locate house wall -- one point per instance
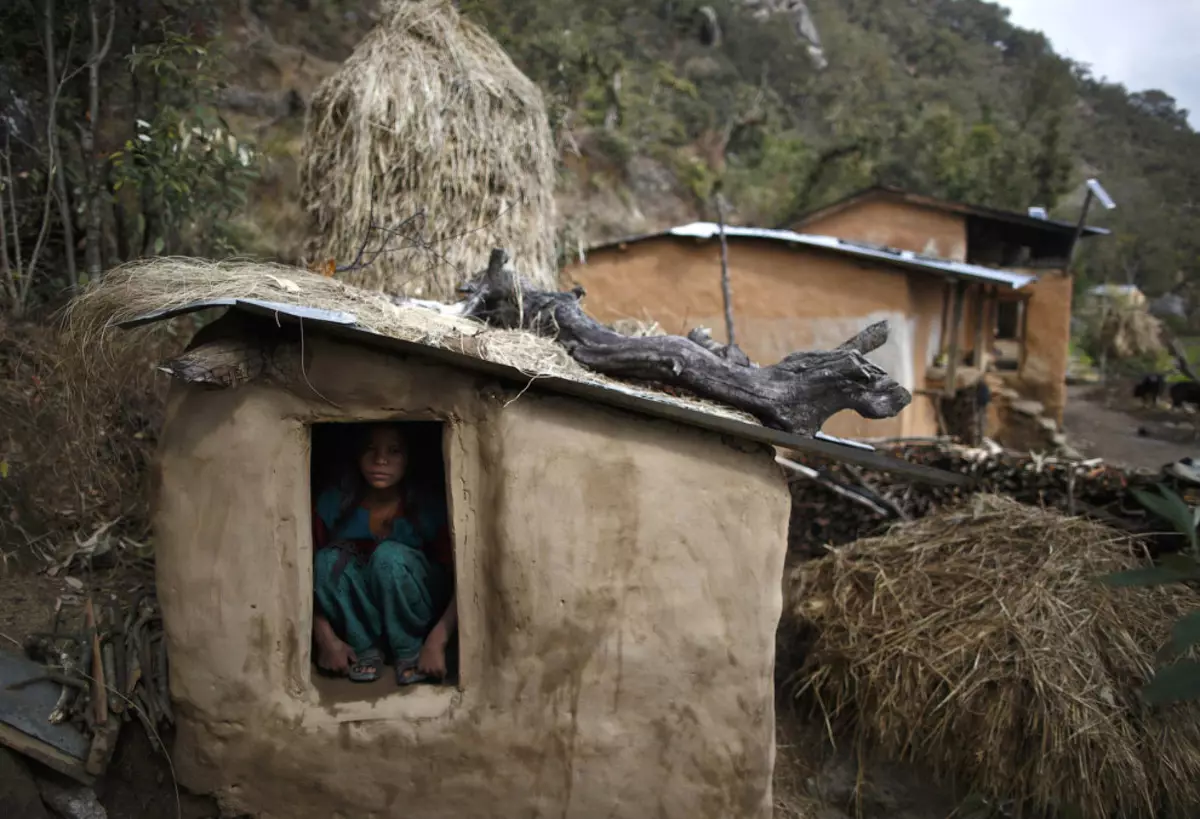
(619, 587)
(1047, 341)
(785, 299)
(900, 225)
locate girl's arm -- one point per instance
(446, 626)
(433, 653)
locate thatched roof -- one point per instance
(159, 285)
(429, 115)
(979, 642)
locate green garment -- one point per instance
(389, 600)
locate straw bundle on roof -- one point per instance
(150, 285)
(979, 643)
(429, 114)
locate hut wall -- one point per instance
(1048, 340)
(619, 587)
(896, 224)
(785, 299)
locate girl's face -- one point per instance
(385, 458)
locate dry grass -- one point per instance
(1131, 332)
(978, 642)
(429, 114)
(78, 435)
(145, 286)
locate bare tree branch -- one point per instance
(54, 87)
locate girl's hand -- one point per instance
(432, 660)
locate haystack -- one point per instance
(429, 116)
(1131, 332)
(978, 643)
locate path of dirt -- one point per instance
(1102, 423)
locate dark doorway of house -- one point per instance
(358, 583)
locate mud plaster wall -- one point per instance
(619, 590)
(785, 299)
(900, 225)
(1047, 341)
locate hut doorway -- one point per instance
(383, 568)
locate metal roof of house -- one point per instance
(905, 259)
(1025, 219)
(344, 326)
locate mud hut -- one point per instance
(424, 151)
(618, 557)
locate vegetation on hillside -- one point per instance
(942, 96)
(650, 110)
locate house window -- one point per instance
(1008, 320)
(383, 560)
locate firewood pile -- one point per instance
(835, 503)
(111, 662)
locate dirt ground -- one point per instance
(1103, 421)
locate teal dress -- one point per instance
(385, 594)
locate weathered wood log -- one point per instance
(233, 351)
(798, 394)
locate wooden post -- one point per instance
(1022, 326)
(980, 319)
(1074, 251)
(726, 291)
(948, 388)
(943, 338)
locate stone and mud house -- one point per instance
(619, 565)
(965, 289)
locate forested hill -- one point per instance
(787, 104)
(943, 96)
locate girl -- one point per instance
(383, 573)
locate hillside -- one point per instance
(786, 104)
(944, 96)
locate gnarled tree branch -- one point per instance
(798, 394)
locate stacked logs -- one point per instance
(112, 666)
(824, 516)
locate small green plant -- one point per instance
(1176, 679)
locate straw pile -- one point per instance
(429, 114)
(1131, 332)
(149, 285)
(978, 643)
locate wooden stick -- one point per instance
(848, 494)
(726, 290)
(100, 696)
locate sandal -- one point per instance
(366, 668)
(407, 672)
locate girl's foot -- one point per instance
(366, 669)
(407, 672)
(333, 655)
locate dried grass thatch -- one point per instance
(429, 114)
(149, 285)
(978, 642)
(77, 440)
(1131, 332)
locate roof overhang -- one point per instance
(978, 211)
(902, 259)
(343, 326)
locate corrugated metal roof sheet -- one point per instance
(903, 258)
(344, 325)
